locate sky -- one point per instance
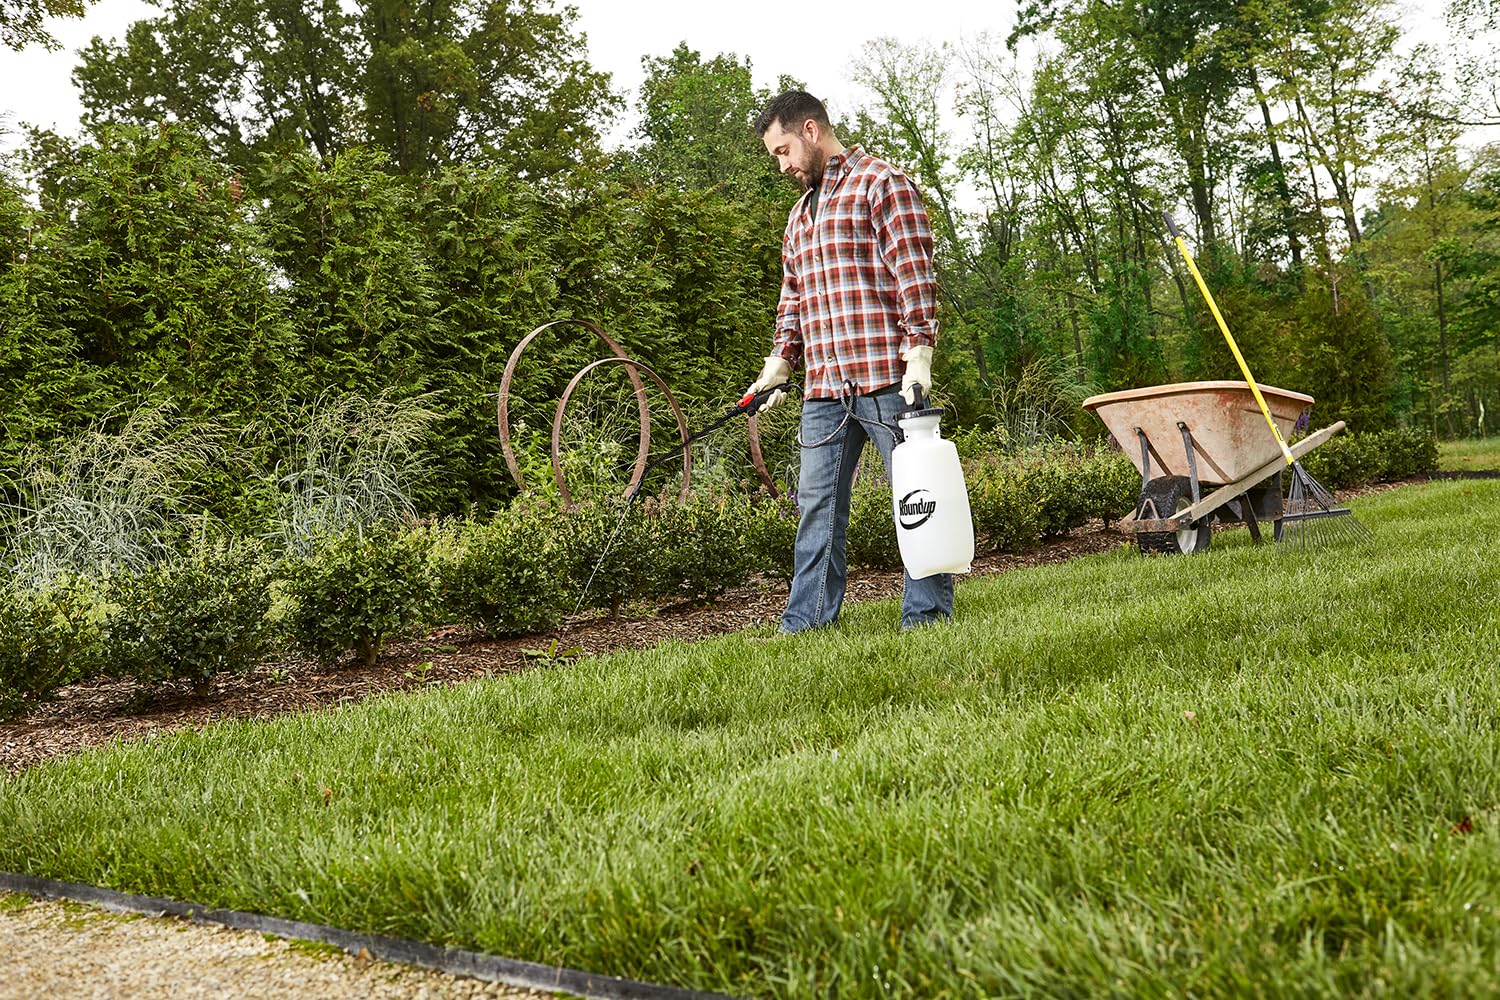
(817, 43)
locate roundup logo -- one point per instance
(915, 509)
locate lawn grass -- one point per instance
(1249, 772)
(1469, 455)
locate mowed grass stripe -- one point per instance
(1248, 771)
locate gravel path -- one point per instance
(66, 950)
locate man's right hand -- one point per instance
(776, 371)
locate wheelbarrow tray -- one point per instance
(1230, 436)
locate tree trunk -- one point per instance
(1288, 216)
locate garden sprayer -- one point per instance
(929, 501)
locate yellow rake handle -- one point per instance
(1224, 328)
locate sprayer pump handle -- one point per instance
(920, 405)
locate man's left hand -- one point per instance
(918, 372)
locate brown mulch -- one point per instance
(97, 711)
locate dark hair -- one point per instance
(790, 110)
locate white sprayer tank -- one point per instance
(930, 502)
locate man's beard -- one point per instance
(810, 170)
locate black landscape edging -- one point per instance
(454, 961)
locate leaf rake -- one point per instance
(1311, 516)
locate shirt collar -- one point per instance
(837, 166)
(843, 162)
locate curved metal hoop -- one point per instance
(502, 414)
(562, 404)
(758, 459)
(643, 409)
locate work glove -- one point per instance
(777, 370)
(918, 372)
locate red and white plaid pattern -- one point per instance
(857, 288)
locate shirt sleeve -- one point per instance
(904, 237)
(787, 342)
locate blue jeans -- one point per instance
(825, 484)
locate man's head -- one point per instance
(797, 134)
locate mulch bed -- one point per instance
(100, 710)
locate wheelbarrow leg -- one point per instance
(1192, 462)
(1250, 519)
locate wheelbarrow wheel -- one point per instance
(1168, 495)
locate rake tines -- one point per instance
(1312, 518)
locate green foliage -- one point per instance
(1344, 357)
(611, 551)
(1409, 451)
(348, 463)
(505, 576)
(1122, 350)
(1113, 486)
(505, 79)
(1005, 519)
(1060, 500)
(701, 545)
(656, 548)
(23, 22)
(771, 535)
(356, 590)
(153, 272)
(1044, 492)
(49, 637)
(142, 276)
(191, 617)
(871, 533)
(697, 123)
(118, 496)
(1354, 459)
(1346, 460)
(361, 293)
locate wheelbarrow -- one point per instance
(1204, 453)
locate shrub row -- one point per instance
(1347, 460)
(231, 604)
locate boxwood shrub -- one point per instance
(505, 576)
(357, 590)
(48, 637)
(771, 535)
(191, 617)
(701, 544)
(1349, 460)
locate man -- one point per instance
(858, 310)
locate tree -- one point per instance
(697, 126)
(908, 83)
(21, 21)
(1327, 72)
(436, 82)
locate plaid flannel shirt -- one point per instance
(857, 288)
